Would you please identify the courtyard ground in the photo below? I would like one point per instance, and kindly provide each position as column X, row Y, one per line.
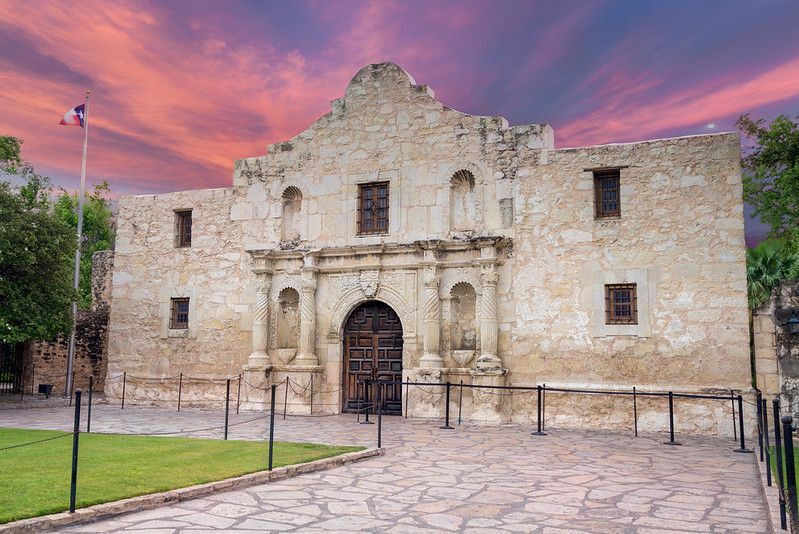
column 471, row 479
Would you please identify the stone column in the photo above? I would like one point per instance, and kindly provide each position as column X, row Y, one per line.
column 432, row 321
column 306, row 355
column 488, row 359
column 260, row 322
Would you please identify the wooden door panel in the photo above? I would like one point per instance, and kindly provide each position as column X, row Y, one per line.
column 373, row 351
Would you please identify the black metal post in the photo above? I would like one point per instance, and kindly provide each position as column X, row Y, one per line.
column 311, row 408
column 368, row 403
column 460, row 403
column 778, row 455
column 124, row 382
column 227, row 405
column 671, row 421
column 446, row 410
column 543, row 407
column 635, row 412
column 180, row 389
column 764, row 412
column 73, row 387
column 539, row 431
column 741, row 425
column 73, row 482
column 790, row 467
column 407, row 395
column 272, row 425
column 286, row 398
column 238, row 394
column 732, row 401
column 89, row 407
column 379, row 416
column 759, row 401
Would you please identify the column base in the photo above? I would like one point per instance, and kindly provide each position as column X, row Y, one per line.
column 487, row 404
column 304, row 383
column 255, row 384
column 258, row 358
column 489, row 363
column 431, row 361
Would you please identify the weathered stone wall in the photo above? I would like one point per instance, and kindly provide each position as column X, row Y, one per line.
column 46, row 361
column 472, row 202
column 776, row 349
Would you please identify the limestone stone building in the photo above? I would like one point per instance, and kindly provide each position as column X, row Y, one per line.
column 399, row 238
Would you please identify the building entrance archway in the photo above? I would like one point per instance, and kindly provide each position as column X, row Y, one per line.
column 372, row 351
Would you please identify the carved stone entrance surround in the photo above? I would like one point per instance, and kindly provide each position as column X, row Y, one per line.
column 408, row 277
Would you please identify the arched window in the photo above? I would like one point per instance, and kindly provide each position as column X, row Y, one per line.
column 462, row 209
column 288, row 318
column 292, row 202
column 464, row 317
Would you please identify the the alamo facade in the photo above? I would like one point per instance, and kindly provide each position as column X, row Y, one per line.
column 398, row 238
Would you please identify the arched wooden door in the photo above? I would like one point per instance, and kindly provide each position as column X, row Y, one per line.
column 372, row 351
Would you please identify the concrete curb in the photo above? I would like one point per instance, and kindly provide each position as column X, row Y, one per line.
column 154, row 500
column 770, row 496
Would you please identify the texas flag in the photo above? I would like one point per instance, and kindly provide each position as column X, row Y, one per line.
column 75, row 116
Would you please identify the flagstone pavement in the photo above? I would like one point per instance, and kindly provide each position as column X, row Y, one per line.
column 469, row 479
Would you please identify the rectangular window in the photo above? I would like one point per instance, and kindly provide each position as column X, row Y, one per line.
column 373, row 208
column 183, row 228
column 621, row 304
column 179, row 319
column 607, row 197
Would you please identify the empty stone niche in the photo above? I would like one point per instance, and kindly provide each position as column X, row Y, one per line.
column 292, row 204
column 287, row 324
column 462, row 208
column 463, row 334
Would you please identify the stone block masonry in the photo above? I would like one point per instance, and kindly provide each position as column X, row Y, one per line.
column 482, row 239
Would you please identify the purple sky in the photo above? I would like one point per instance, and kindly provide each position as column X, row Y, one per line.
column 181, row 89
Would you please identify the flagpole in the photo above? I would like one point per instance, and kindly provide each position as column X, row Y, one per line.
column 76, row 279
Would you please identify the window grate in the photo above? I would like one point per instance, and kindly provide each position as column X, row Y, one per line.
column 179, row 319
column 607, row 194
column 372, row 216
column 621, row 304
column 183, row 228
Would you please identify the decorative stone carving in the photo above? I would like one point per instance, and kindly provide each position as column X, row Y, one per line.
column 369, row 282
column 432, row 320
column 260, row 322
column 488, row 359
column 306, row 354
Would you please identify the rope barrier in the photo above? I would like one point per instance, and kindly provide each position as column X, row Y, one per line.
column 51, row 438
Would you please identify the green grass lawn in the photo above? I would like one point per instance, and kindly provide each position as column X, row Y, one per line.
column 34, row 480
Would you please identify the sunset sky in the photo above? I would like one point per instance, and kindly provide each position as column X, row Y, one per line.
column 181, row 89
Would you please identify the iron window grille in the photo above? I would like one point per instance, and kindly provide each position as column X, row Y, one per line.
column 373, row 208
column 621, row 304
column 607, row 194
column 183, row 228
column 179, row 319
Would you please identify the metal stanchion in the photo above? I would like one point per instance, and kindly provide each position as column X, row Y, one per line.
column 311, row 408
column 379, row 416
column 238, row 395
column 272, row 425
column 73, row 481
column 227, row 405
column 635, row 412
column 446, row 410
column 790, row 467
column 778, row 455
column 732, row 401
column 764, row 412
column 407, row 395
column 366, row 421
column 671, row 421
column 180, row 389
column 89, row 406
column 544, row 407
column 286, row 398
column 759, row 400
column 539, row 431
column 460, row 403
column 124, row 383
column 741, row 425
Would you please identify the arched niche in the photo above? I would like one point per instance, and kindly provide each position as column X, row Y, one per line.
column 292, row 204
column 462, row 201
column 287, row 327
column 463, row 324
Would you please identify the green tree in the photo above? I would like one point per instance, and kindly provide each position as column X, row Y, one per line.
column 36, row 255
column 767, row 264
column 98, row 230
column 771, row 174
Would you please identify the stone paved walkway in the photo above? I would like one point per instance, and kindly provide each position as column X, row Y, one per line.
column 471, row 479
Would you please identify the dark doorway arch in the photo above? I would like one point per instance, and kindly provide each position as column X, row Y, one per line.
column 372, row 351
